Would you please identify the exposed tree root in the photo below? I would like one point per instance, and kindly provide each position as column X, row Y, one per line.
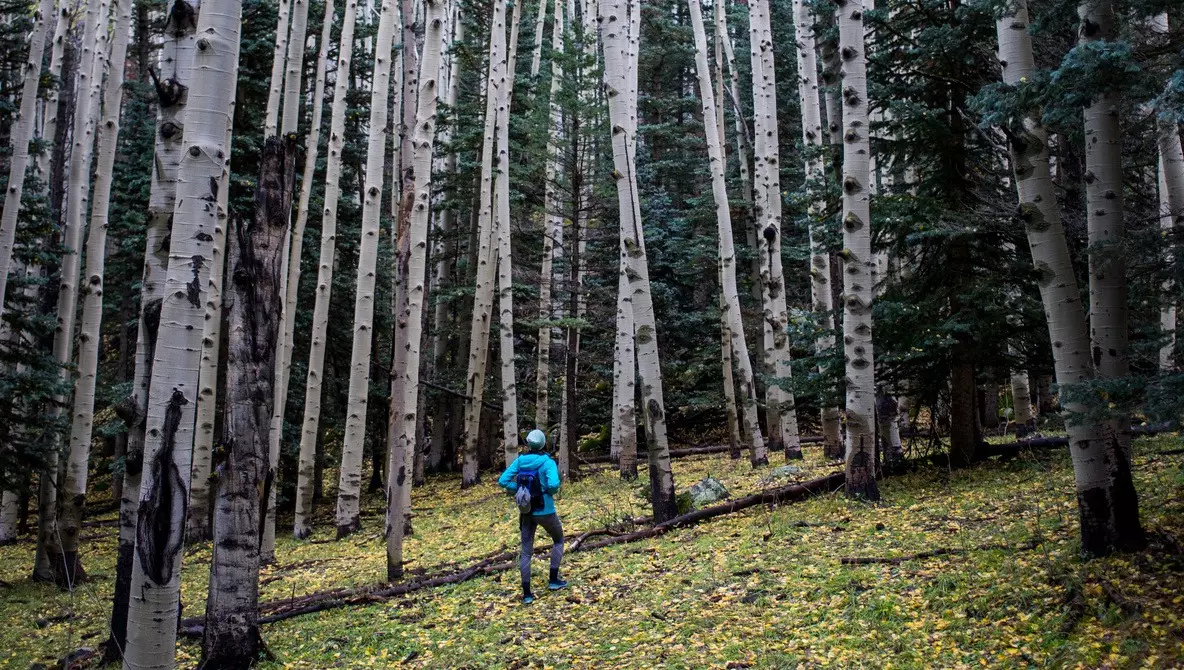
column 319, row 602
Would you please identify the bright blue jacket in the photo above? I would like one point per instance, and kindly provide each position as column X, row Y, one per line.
column 548, row 477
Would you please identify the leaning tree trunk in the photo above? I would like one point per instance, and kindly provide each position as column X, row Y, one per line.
column 858, row 260
column 1106, row 498
column 821, row 296
column 73, row 493
column 164, row 494
column 622, row 108
column 536, row 58
column 350, row 485
column 730, row 303
column 306, row 473
column 1109, row 335
column 782, row 417
column 176, row 61
column 486, row 256
column 22, row 134
column 423, row 143
column 231, row 636
column 553, row 220
column 48, row 563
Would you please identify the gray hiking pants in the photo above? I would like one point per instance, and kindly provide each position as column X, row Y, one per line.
column 527, row 523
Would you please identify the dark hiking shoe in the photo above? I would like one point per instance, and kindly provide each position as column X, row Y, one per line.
column 527, row 599
column 556, row 585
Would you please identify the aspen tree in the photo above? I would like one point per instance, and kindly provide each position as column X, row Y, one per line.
column 172, row 88
column 275, row 89
column 486, row 256
column 1171, row 208
column 231, row 636
column 445, row 264
column 22, row 134
column 858, row 260
column 730, row 300
column 155, row 592
column 536, row 58
column 553, row 220
column 48, row 560
column 505, row 274
column 622, row 106
column 306, row 473
column 782, row 417
column 77, row 466
column 1106, row 497
column 821, row 296
column 1108, row 318
column 398, row 481
column 349, row 488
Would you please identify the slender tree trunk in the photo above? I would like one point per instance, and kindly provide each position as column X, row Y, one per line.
column 275, row 90
column 1106, row 497
column 623, row 119
column 231, row 636
column 1021, row 401
column 505, row 273
column 22, row 134
column 349, row 488
column 812, row 136
column 782, row 417
column 1109, row 333
column 625, row 381
column 1171, row 208
column 742, row 141
column 48, row 563
column 77, row 467
column 553, row 219
column 9, row 514
column 309, row 436
column 486, row 257
column 858, row 260
column 540, row 22
column 176, row 63
column 402, row 450
column 733, row 327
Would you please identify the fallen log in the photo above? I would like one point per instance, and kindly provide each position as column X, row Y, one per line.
column 312, row 603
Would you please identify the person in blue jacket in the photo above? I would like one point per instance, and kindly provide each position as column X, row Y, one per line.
column 536, row 460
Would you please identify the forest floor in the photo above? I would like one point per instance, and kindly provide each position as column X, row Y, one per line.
column 765, row 587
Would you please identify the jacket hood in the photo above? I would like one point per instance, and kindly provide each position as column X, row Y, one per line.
column 532, row 461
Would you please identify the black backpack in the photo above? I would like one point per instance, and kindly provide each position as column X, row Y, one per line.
column 529, row 496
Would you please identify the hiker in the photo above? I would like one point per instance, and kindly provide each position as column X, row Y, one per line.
column 533, row 478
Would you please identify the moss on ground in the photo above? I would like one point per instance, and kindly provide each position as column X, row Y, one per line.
column 755, row 589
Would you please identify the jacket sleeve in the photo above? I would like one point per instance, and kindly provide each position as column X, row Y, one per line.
column 509, row 478
column 551, row 480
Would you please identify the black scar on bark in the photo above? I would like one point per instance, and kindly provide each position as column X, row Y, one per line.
column 158, row 540
column 152, row 325
column 267, row 484
column 168, row 92
column 181, row 18
column 193, row 288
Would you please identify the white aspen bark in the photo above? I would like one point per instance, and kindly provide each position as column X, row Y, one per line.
column 57, row 55
column 505, row 274
column 350, row 485
column 1021, row 400
column 48, row 559
column 624, row 421
column 742, row 143
column 1108, row 318
column 275, row 90
column 536, row 58
column 552, row 222
column 858, row 260
column 486, row 254
column 156, row 568
column 306, row 485
column 176, row 65
column 9, row 513
column 22, row 134
column 821, row 296
column 402, row 450
column 733, row 327
column 1169, row 196
column 1106, row 498
column 231, row 637
column 622, row 116
column 73, row 493
column 445, row 265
